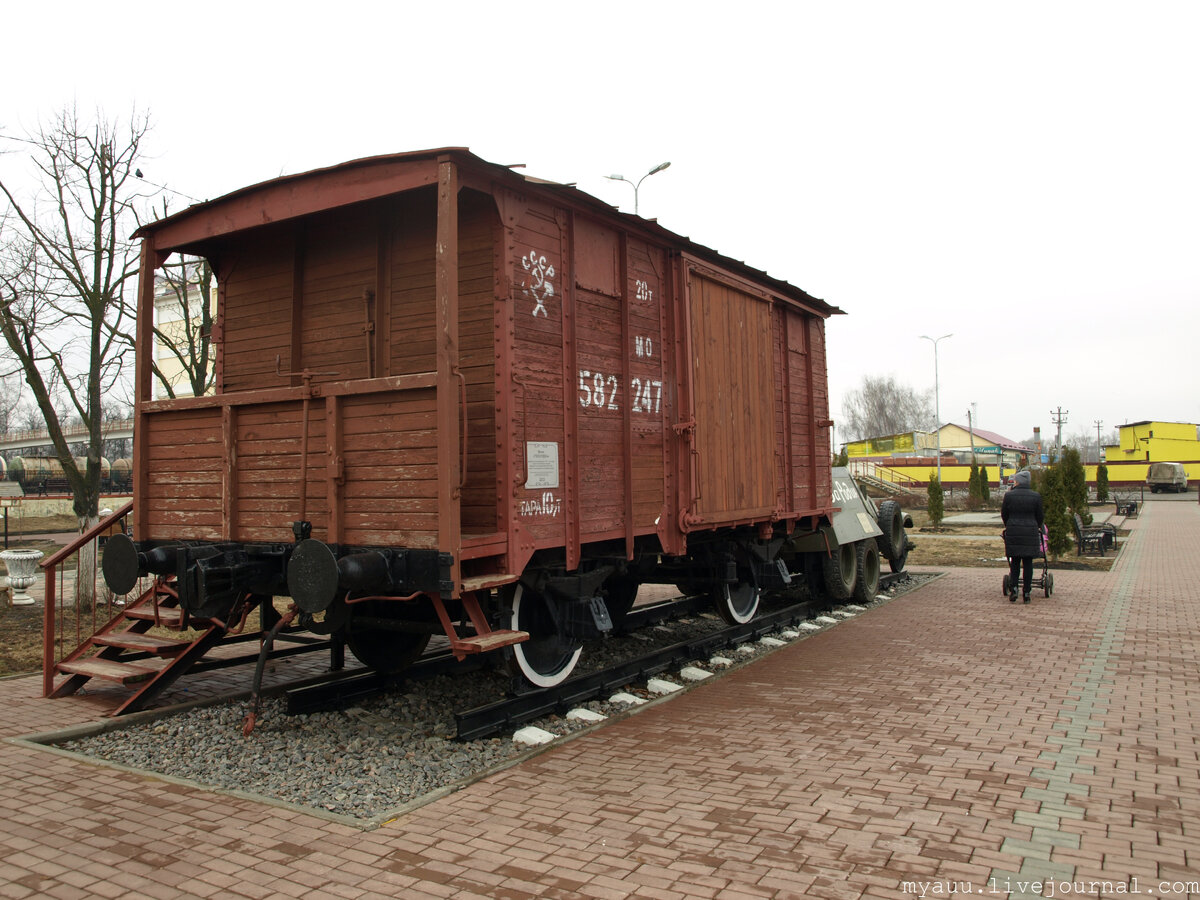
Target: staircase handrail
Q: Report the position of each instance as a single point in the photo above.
(50, 565)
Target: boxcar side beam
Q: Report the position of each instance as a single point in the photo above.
(448, 419)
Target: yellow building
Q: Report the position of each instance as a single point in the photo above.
(910, 458)
(1142, 443)
(909, 443)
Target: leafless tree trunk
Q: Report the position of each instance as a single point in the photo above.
(68, 257)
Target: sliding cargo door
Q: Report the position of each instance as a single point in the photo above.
(733, 403)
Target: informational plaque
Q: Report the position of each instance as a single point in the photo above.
(541, 460)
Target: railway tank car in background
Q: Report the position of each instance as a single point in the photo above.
(45, 473)
(451, 398)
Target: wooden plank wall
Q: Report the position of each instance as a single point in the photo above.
(536, 263)
(479, 249)
(821, 478)
(256, 311)
(734, 395)
(390, 493)
(411, 285)
(340, 258)
(372, 461)
(650, 393)
(184, 462)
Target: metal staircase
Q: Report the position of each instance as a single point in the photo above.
(122, 651)
(882, 478)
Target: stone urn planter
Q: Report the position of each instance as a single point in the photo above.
(22, 573)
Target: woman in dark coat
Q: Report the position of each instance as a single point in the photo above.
(1022, 515)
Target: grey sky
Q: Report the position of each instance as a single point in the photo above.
(1023, 175)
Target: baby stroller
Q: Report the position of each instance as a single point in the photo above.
(1046, 580)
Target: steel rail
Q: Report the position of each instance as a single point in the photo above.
(341, 690)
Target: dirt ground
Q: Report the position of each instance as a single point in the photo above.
(21, 626)
(961, 545)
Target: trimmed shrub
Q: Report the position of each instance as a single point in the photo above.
(937, 502)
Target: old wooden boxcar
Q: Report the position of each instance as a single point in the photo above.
(453, 397)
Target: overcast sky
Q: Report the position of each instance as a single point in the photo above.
(1023, 175)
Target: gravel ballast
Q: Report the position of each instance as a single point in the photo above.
(365, 763)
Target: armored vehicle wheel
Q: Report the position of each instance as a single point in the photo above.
(840, 571)
(374, 640)
(737, 603)
(891, 523)
(897, 563)
(548, 657)
(866, 582)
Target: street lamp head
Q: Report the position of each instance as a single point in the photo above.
(616, 177)
(659, 168)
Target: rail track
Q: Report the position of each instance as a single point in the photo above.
(525, 705)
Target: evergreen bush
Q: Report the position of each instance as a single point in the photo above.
(936, 503)
(1102, 483)
(1054, 504)
(1074, 483)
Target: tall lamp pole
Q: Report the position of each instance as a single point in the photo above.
(937, 414)
(638, 184)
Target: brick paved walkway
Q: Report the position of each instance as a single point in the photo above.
(949, 741)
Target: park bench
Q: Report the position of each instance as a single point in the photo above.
(1095, 538)
(1127, 508)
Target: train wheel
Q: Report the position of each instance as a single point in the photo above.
(737, 603)
(866, 565)
(373, 643)
(840, 571)
(548, 657)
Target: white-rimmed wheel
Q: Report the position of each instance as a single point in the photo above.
(548, 657)
(737, 603)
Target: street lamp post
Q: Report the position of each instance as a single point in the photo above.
(937, 414)
(638, 184)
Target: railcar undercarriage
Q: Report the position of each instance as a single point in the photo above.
(386, 603)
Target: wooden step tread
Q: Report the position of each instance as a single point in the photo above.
(131, 640)
(482, 643)
(483, 582)
(108, 669)
(167, 616)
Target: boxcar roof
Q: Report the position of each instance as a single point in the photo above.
(306, 193)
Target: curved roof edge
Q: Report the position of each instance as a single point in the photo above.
(466, 158)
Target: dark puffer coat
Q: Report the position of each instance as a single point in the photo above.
(1022, 515)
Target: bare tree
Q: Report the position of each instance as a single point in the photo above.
(68, 259)
(10, 400)
(883, 406)
(186, 328)
(1085, 441)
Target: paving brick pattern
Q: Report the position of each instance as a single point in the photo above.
(948, 741)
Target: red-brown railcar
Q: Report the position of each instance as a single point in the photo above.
(452, 397)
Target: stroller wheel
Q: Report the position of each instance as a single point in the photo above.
(1049, 584)
(1007, 585)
